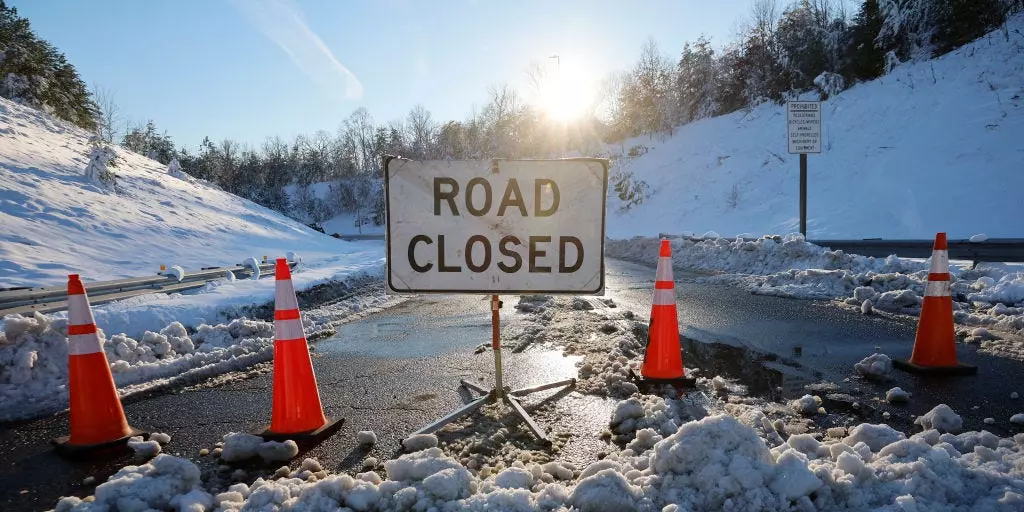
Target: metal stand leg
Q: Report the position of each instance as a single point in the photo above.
(499, 392)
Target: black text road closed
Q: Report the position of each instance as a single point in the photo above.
(504, 226)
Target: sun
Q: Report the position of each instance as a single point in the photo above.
(566, 96)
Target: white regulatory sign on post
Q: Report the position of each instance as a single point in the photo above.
(490, 227)
(804, 119)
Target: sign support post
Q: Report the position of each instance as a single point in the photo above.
(804, 134)
(496, 227)
(803, 194)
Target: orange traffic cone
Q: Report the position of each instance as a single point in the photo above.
(296, 412)
(935, 343)
(663, 359)
(97, 418)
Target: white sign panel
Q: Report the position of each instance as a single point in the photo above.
(804, 126)
(502, 226)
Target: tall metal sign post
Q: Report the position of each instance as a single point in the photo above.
(491, 227)
(804, 134)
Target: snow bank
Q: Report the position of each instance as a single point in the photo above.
(33, 358)
(56, 221)
(989, 296)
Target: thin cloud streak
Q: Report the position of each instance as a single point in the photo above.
(281, 22)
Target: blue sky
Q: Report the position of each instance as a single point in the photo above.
(248, 69)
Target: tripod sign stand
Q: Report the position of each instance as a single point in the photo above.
(500, 392)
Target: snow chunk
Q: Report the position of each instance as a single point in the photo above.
(366, 437)
(875, 365)
(419, 442)
(793, 479)
(271, 451)
(514, 478)
(713, 460)
(155, 484)
(980, 237)
(160, 437)
(194, 501)
(240, 446)
(807, 405)
(941, 418)
(897, 395)
(176, 272)
(875, 437)
(253, 265)
(449, 484)
(1017, 418)
(605, 490)
(143, 448)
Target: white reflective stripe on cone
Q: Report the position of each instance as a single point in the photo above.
(940, 262)
(79, 312)
(664, 269)
(937, 289)
(664, 297)
(288, 329)
(284, 296)
(81, 344)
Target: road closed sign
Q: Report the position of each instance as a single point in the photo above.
(491, 227)
(804, 119)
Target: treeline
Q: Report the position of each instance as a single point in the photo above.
(787, 49)
(34, 73)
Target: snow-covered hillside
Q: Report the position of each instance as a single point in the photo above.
(55, 221)
(933, 146)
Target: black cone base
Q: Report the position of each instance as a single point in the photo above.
(327, 429)
(959, 369)
(62, 444)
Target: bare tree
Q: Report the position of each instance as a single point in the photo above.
(421, 131)
(109, 123)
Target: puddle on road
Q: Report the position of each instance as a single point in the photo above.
(408, 336)
(764, 375)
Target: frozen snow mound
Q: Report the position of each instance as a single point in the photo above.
(89, 227)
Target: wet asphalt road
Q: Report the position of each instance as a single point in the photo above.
(397, 370)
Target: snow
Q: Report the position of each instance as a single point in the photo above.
(156, 484)
(981, 237)
(806, 405)
(271, 451)
(877, 366)
(177, 272)
(419, 442)
(1017, 418)
(897, 395)
(894, 151)
(240, 447)
(142, 448)
(366, 437)
(875, 437)
(57, 222)
(941, 418)
(160, 437)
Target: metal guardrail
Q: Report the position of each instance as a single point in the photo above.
(50, 299)
(992, 250)
(354, 237)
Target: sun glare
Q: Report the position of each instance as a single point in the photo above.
(566, 97)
